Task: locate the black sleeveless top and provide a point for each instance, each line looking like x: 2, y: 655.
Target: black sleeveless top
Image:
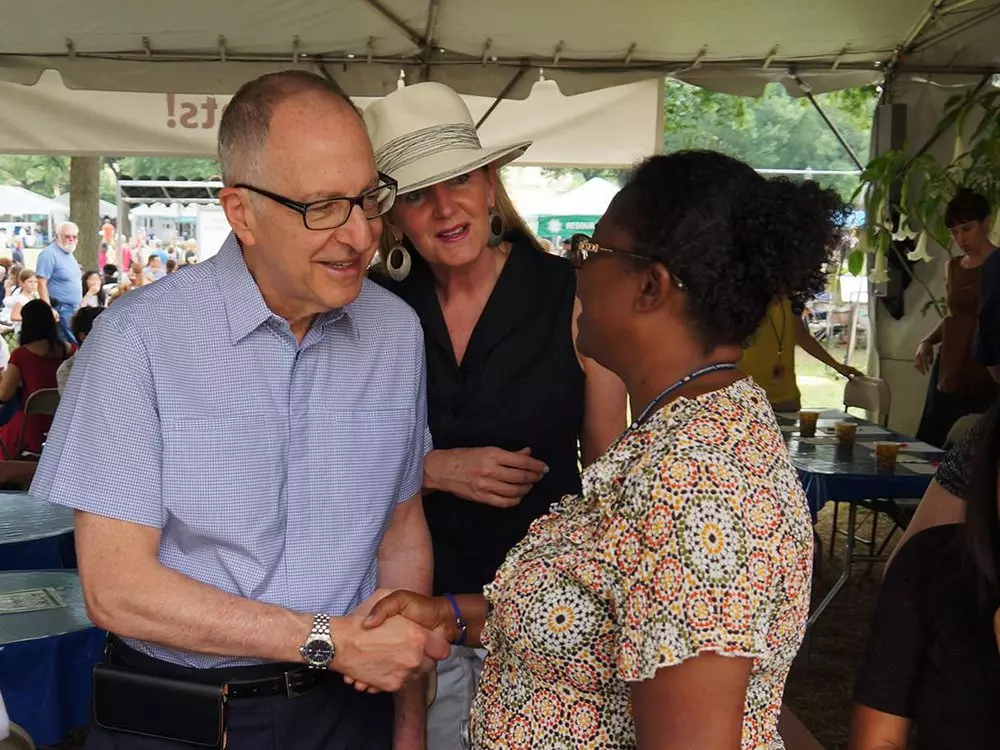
x: 520, y: 385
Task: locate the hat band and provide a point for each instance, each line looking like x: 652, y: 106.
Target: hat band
x: 402, y: 151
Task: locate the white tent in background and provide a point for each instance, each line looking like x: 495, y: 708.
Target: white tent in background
x: 104, y: 208
x: 592, y: 198
x: 18, y: 201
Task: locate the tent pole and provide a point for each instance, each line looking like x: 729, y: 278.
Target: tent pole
x: 503, y: 94
x: 396, y: 21
x: 829, y: 123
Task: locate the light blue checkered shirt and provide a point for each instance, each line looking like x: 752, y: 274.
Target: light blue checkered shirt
x: 271, y: 467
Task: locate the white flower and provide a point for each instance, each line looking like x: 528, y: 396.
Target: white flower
x: 920, y: 252
x: 904, y: 232
x: 879, y: 274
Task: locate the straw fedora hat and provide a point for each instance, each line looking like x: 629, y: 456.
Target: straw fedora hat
x: 424, y: 134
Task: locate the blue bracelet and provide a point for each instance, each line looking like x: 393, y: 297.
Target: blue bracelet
x: 460, y: 623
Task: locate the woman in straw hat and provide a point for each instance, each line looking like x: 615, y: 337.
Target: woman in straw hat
x: 512, y: 407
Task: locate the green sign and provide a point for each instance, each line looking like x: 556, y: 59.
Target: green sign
x: 564, y: 226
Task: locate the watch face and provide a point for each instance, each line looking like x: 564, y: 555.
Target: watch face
x: 318, y: 652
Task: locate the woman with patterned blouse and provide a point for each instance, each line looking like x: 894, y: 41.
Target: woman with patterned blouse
x: 662, y: 607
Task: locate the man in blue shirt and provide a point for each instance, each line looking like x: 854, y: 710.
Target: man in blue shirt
x: 59, y: 277
x: 274, y: 443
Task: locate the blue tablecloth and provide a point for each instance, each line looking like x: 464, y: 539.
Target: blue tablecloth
x: 47, y: 658
x: 34, y: 534
x: 830, y: 472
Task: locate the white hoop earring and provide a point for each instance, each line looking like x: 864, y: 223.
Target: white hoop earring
x: 398, y: 270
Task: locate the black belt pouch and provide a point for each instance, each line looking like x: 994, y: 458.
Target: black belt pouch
x: 133, y: 702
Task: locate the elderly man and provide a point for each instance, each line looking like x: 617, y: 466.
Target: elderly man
x: 274, y: 444
x: 59, y: 276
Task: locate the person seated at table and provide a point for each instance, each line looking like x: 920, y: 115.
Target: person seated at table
x: 32, y: 368
x: 959, y: 384
x: 769, y: 358
x: 80, y: 327
x: 663, y: 606
x: 932, y: 661
x: 944, y: 501
x: 27, y: 290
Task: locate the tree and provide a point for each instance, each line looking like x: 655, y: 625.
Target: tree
x: 171, y: 168
x: 45, y: 175
x: 776, y: 131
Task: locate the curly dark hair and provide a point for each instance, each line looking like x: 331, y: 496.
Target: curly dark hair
x: 736, y: 240
x: 966, y: 206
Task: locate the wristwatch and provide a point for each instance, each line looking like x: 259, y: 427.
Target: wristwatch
x: 318, y: 650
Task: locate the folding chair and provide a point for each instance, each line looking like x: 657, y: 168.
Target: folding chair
x: 43, y: 402
x: 875, y: 397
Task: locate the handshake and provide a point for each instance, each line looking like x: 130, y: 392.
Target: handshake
x: 393, y: 638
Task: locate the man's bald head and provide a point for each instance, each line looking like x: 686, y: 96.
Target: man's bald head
x: 246, y: 120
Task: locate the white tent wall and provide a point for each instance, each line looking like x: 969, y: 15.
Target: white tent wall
x: 896, y: 340
x: 567, y: 130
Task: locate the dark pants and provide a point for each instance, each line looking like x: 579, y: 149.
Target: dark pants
x: 332, y: 716
x: 942, y: 410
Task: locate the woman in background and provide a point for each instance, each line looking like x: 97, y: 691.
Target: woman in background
x: 959, y: 385
x: 932, y: 662
x: 32, y: 367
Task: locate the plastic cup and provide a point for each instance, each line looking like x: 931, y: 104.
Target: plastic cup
x: 886, y: 455
x: 807, y: 423
x: 846, y: 432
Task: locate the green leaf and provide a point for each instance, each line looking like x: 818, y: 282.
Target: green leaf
x: 856, y: 262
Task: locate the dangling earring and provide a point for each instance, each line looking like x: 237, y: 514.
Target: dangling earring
x: 497, y: 228
x: 398, y: 270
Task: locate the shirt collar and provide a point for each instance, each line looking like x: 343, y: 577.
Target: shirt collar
x: 246, y: 310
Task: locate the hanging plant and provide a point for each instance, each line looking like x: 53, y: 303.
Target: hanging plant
x: 905, y: 195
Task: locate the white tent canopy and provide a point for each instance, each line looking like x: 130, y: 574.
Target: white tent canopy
x: 18, y: 201
x: 478, y: 46
x: 104, y: 207
x: 592, y: 198
x: 566, y: 130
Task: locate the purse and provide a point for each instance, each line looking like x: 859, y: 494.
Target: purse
x: 134, y: 702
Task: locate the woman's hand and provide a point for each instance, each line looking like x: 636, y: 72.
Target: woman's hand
x: 491, y: 476
x: 432, y: 614
x: 850, y: 372
x: 924, y: 358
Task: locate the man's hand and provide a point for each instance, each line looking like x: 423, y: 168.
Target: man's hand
x: 924, y: 358
x: 435, y: 615
x: 491, y: 476
x: 385, y: 658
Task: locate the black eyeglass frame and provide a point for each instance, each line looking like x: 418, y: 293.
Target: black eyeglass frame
x: 581, y: 247
x: 385, y: 181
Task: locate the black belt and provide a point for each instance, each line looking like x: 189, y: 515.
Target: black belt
x: 290, y: 680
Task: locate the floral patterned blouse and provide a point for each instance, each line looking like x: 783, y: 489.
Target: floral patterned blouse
x: 692, y: 534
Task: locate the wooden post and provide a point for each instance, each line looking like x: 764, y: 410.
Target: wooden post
x: 84, y: 206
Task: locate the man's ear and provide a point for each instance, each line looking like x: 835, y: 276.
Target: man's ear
x: 239, y: 212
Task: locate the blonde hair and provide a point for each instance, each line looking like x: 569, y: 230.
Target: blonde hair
x: 503, y: 205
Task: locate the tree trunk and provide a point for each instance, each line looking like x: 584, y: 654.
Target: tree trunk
x: 84, y: 194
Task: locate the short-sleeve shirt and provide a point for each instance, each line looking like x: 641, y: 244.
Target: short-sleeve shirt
x: 62, y: 273
x: 692, y: 535
x: 956, y: 467
x: 271, y: 467
x: 987, y: 342
x: 932, y: 654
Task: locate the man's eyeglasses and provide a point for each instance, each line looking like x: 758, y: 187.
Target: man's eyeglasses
x: 581, y: 247
x: 330, y: 213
